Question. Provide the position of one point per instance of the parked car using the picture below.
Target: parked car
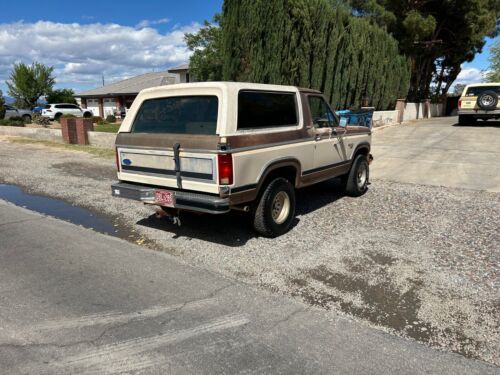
(216, 147)
(38, 109)
(25, 114)
(55, 111)
(479, 101)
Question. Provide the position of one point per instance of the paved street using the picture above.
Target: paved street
(74, 301)
(440, 152)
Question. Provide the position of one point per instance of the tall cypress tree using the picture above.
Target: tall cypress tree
(313, 43)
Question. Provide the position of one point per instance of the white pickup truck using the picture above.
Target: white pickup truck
(220, 146)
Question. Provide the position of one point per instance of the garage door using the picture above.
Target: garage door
(93, 105)
(109, 107)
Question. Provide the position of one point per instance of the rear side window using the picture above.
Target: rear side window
(258, 109)
(478, 90)
(178, 115)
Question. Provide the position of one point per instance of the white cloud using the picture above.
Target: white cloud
(82, 53)
(147, 23)
(469, 75)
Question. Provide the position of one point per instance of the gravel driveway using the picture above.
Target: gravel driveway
(418, 261)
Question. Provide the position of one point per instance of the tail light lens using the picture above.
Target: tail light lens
(459, 103)
(225, 164)
(117, 158)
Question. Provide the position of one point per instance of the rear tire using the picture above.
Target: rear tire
(27, 119)
(356, 183)
(87, 115)
(275, 210)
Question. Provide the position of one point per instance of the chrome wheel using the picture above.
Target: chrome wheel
(362, 176)
(281, 207)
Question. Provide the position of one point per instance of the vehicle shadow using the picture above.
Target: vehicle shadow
(479, 124)
(235, 228)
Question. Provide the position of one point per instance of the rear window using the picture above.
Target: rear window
(476, 91)
(178, 115)
(257, 109)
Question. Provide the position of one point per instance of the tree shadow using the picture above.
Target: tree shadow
(234, 229)
(480, 124)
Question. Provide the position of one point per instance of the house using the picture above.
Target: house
(117, 97)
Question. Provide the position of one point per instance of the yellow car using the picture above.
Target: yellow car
(479, 101)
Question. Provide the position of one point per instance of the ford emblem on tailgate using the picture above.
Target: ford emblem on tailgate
(127, 162)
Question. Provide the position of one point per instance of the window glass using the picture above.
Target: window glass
(259, 109)
(478, 90)
(321, 113)
(179, 115)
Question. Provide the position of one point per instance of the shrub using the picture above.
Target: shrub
(13, 121)
(96, 119)
(110, 118)
(40, 120)
(68, 115)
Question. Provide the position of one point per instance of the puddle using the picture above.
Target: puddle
(63, 210)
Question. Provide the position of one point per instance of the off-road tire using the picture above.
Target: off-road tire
(487, 100)
(263, 221)
(356, 185)
(27, 119)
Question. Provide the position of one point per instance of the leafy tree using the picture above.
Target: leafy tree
(27, 83)
(2, 105)
(493, 73)
(437, 36)
(206, 61)
(61, 96)
(458, 89)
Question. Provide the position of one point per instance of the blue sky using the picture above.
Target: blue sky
(117, 39)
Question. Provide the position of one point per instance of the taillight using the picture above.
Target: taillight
(117, 158)
(225, 163)
(47, 110)
(459, 103)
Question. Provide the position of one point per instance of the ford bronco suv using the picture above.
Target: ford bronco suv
(479, 101)
(215, 147)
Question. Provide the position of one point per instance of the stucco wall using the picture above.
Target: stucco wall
(381, 118)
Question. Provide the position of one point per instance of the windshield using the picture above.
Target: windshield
(178, 115)
(478, 90)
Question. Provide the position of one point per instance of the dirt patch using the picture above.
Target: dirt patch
(82, 170)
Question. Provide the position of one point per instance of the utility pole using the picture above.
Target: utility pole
(103, 79)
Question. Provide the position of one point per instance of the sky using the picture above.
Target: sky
(87, 39)
(118, 39)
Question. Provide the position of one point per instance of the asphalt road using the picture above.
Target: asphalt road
(75, 301)
(440, 152)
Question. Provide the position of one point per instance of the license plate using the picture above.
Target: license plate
(165, 198)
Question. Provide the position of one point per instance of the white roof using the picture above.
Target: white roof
(221, 85)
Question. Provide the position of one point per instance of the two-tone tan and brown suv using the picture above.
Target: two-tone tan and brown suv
(215, 147)
(479, 101)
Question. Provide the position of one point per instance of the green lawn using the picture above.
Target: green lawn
(107, 128)
(107, 153)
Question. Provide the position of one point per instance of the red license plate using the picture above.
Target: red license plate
(165, 198)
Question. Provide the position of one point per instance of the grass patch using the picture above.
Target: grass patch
(107, 153)
(107, 128)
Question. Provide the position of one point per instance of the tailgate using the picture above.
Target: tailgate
(157, 167)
